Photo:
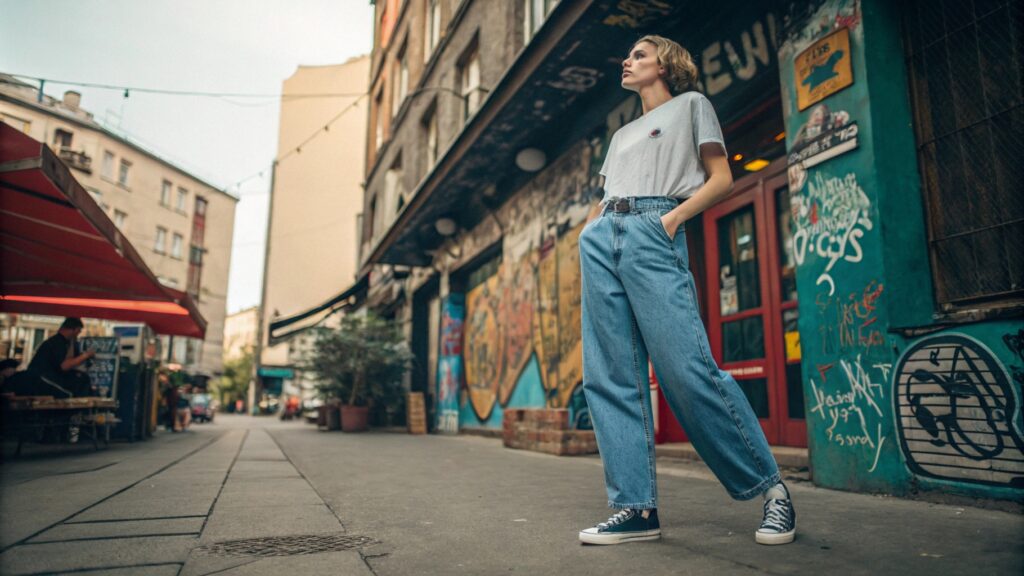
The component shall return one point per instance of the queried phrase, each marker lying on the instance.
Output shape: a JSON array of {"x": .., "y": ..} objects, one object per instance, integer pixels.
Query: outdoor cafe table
[{"x": 24, "y": 415}]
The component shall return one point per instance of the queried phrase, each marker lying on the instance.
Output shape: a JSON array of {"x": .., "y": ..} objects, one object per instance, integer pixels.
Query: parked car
[{"x": 203, "y": 409}]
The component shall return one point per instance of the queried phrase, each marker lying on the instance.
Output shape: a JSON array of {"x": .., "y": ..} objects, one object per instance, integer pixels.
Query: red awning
[{"x": 60, "y": 254}]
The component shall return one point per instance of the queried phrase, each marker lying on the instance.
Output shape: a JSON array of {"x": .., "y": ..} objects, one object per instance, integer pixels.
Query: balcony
[{"x": 77, "y": 160}]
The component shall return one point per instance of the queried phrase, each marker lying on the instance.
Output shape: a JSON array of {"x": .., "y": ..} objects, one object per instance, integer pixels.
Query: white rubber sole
[
  {"x": 775, "y": 539},
  {"x": 606, "y": 539}
]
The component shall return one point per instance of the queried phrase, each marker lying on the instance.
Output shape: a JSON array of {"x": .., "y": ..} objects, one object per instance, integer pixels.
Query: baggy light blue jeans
[{"x": 638, "y": 296}]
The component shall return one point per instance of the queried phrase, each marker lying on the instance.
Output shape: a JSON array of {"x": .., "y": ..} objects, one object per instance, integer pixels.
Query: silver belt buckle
[{"x": 621, "y": 205}]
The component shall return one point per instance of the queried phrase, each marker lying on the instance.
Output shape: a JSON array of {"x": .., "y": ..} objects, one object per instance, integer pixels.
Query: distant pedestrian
[
  {"x": 638, "y": 296},
  {"x": 55, "y": 361}
]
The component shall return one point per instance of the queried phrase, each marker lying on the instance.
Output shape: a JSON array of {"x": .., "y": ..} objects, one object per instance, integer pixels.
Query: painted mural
[{"x": 958, "y": 411}]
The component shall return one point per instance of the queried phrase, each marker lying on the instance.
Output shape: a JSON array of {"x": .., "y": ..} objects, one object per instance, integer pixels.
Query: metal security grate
[
  {"x": 287, "y": 545},
  {"x": 964, "y": 61}
]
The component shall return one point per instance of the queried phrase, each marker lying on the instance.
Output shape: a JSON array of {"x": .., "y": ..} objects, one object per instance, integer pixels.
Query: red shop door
[{"x": 752, "y": 310}]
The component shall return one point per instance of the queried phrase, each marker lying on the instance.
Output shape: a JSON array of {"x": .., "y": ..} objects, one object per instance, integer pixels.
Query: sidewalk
[{"x": 257, "y": 496}]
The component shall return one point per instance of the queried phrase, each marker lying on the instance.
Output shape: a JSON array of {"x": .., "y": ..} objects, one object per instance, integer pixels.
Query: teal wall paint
[{"x": 901, "y": 219}]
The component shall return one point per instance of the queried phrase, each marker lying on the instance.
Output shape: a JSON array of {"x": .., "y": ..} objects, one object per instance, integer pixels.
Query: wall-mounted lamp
[
  {"x": 531, "y": 159},
  {"x": 445, "y": 226}
]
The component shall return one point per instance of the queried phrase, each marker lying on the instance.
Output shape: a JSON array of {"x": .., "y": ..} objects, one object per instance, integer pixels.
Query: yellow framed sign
[{"x": 823, "y": 69}]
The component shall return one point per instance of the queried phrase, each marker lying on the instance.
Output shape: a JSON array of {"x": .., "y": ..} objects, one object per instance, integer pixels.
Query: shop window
[{"x": 964, "y": 66}]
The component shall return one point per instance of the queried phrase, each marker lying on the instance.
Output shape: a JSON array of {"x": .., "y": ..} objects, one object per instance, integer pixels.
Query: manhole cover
[{"x": 287, "y": 545}]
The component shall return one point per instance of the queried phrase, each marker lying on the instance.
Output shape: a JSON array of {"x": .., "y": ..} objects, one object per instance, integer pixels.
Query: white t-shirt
[{"x": 658, "y": 154}]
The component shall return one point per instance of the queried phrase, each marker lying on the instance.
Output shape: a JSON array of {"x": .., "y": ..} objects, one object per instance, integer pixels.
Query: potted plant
[{"x": 362, "y": 363}]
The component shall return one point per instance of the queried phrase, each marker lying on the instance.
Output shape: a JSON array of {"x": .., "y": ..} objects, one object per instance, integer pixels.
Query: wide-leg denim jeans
[{"x": 638, "y": 298}]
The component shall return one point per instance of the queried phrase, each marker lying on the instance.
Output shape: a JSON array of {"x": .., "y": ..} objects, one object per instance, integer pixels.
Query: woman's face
[{"x": 641, "y": 67}]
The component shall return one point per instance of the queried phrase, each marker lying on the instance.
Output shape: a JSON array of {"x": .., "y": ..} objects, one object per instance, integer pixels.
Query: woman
[{"x": 662, "y": 169}]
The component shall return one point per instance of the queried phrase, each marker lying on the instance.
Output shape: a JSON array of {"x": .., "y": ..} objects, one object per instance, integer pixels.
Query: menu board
[{"x": 102, "y": 368}]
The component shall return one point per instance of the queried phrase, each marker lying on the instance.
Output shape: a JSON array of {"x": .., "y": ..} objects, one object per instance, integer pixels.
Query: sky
[{"x": 221, "y": 46}]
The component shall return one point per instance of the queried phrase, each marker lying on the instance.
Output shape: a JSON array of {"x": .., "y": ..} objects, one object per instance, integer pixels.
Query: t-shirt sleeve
[{"x": 705, "y": 124}]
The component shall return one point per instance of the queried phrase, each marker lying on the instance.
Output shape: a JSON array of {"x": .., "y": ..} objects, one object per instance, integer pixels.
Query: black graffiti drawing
[{"x": 954, "y": 401}]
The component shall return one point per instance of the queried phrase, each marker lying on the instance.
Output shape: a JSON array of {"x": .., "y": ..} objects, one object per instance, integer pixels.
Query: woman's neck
[{"x": 653, "y": 96}]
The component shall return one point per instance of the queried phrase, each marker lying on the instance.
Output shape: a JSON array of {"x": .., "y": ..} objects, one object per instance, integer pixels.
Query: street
[{"x": 386, "y": 503}]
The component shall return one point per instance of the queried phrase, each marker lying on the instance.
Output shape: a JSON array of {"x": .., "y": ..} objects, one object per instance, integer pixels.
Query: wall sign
[
  {"x": 102, "y": 368},
  {"x": 823, "y": 69},
  {"x": 825, "y": 135}
]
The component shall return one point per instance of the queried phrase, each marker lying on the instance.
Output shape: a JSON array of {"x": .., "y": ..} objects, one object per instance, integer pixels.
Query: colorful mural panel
[{"x": 449, "y": 364}]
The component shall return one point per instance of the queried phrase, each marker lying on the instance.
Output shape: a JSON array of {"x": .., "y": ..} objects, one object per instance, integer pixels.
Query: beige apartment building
[
  {"x": 240, "y": 330},
  {"x": 181, "y": 225},
  {"x": 316, "y": 199}
]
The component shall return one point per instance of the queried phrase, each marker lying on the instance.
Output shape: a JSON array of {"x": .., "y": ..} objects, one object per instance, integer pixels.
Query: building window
[
  {"x": 469, "y": 79},
  {"x": 200, "y": 206},
  {"x": 122, "y": 175},
  {"x": 176, "y": 243},
  {"x": 61, "y": 139},
  {"x": 393, "y": 186},
  {"x": 399, "y": 81},
  {"x": 433, "y": 32},
  {"x": 108, "y": 165},
  {"x": 371, "y": 220},
  {"x": 379, "y": 131},
  {"x": 160, "y": 245},
  {"x": 96, "y": 194},
  {"x": 19, "y": 123},
  {"x": 119, "y": 219},
  {"x": 966, "y": 95},
  {"x": 534, "y": 14},
  {"x": 182, "y": 196},
  {"x": 430, "y": 130},
  {"x": 165, "y": 193}
]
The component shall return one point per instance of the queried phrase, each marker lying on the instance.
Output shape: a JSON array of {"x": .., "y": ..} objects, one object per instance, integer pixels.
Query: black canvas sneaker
[
  {"x": 779, "y": 523},
  {"x": 625, "y": 526}
]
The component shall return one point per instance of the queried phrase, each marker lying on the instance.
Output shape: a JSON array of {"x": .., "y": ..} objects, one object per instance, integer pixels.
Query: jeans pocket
[{"x": 655, "y": 219}]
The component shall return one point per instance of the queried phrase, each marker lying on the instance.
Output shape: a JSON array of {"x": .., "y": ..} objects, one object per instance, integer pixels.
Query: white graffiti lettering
[{"x": 830, "y": 220}]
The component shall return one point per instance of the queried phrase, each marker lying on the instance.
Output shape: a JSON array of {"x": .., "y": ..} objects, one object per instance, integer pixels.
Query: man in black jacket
[{"x": 55, "y": 361}]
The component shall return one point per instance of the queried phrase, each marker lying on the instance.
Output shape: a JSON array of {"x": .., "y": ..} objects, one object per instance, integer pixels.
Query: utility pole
[{"x": 261, "y": 309}]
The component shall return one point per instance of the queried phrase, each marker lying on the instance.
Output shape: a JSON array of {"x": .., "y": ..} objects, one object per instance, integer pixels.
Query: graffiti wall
[
  {"x": 522, "y": 344},
  {"x": 847, "y": 353}
]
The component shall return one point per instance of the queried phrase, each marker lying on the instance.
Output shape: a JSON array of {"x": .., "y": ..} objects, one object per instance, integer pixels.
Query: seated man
[{"x": 54, "y": 363}]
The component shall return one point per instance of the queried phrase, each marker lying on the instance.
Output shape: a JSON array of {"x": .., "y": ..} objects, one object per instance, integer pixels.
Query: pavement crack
[
  {"x": 366, "y": 560},
  {"x": 224, "y": 482},
  {"x": 303, "y": 476}
]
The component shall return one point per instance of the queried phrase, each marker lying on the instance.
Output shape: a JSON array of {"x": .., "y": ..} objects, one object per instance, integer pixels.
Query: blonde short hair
[{"x": 680, "y": 69}]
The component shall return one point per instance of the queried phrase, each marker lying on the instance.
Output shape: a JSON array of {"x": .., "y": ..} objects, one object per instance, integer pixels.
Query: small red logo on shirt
[{"x": 655, "y": 133}]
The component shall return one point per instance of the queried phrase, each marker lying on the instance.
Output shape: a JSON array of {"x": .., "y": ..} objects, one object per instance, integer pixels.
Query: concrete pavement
[{"x": 257, "y": 496}]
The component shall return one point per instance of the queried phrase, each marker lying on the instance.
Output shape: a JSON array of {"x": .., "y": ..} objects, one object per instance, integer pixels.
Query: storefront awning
[
  {"x": 350, "y": 298},
  {"x": 61, "y": 255}
]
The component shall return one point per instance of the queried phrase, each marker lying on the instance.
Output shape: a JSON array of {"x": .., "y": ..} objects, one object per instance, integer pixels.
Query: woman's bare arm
[{"x": 715, "y": 189}]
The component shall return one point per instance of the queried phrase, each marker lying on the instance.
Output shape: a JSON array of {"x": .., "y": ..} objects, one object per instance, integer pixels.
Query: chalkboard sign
[{"x": 102, "y": 368}]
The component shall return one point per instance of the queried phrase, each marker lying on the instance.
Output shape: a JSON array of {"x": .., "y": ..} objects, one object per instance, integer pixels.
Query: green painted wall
[{"x": 887, "y": 413}]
